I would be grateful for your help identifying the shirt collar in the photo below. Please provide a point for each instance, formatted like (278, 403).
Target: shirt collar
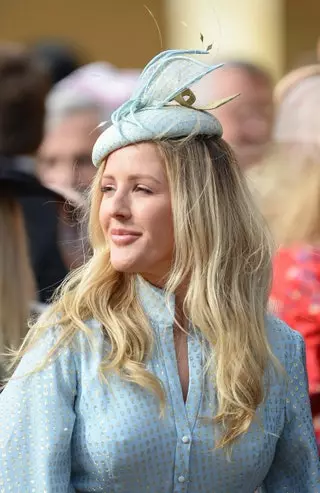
(158, 305)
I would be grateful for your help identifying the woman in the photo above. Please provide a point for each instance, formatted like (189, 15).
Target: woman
(16, 278)
(288, 184)
(157, 368)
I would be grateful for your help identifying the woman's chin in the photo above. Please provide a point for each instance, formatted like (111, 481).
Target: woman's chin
(126, 270)
(127, 265)
(126, 259)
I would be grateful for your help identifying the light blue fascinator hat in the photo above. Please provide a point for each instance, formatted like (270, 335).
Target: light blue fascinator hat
(162, 106)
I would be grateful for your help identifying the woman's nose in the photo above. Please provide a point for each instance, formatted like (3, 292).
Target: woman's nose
(120, 206)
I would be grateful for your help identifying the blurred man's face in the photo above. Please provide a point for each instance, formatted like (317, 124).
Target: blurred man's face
(65, 155)
(247, 121)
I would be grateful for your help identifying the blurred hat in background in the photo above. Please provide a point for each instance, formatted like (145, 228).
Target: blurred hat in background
(100, 83)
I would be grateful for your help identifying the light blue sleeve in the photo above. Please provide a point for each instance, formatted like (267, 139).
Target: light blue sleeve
(36, 422)
(295, 468)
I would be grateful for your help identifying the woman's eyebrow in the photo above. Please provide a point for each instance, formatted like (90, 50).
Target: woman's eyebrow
(134, 177)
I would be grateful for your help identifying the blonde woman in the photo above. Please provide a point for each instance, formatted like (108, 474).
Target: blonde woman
(157, 368)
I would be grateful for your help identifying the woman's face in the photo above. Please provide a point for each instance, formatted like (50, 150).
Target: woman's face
(135, 211)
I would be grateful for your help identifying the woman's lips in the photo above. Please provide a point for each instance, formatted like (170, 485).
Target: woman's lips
(121, 237)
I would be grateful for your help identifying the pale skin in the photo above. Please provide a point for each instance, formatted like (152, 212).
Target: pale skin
(136, 218)
(247, 121)
(64, 158)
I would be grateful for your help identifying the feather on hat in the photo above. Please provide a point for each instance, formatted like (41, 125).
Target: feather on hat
(162, 106)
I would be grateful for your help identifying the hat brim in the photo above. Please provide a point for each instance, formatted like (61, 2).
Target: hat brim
(168, 122)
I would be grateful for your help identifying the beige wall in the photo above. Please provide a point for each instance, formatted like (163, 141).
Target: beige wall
(122, 32)
(250, 30)
(302, 31)
(119, 31)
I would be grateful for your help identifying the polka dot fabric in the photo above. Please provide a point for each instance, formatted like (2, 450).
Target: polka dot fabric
(64, 431)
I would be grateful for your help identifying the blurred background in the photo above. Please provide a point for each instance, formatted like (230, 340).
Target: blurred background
(278, 34)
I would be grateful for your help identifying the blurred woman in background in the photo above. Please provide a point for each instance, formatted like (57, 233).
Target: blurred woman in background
(17, 283)
(288, 189)
(74, 109)
(17, 287)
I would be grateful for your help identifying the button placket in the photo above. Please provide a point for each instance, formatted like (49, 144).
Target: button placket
(182, 456)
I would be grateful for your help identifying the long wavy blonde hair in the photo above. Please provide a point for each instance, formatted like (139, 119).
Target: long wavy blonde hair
(223, 252)
(17, 286)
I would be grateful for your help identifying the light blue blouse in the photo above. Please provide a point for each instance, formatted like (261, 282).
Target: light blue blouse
(65, 431)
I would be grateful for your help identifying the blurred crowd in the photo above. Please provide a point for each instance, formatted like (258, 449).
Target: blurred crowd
(51, 106)
(51, 110)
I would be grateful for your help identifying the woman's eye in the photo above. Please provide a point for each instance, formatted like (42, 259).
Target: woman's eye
(107, 188)
(140, 188)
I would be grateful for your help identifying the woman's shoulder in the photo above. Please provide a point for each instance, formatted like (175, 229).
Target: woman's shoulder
(90, 332)
(65, 363)
(285, 342)
(55, 348)
(277, 329)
